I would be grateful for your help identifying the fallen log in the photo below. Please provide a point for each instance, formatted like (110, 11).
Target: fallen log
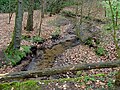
(54, 71)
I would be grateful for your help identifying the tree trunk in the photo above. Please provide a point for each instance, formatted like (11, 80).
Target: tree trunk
(29, 26)
(41, 15)
(53, 71)
(18, 25)
(40, 23)
(16, 39)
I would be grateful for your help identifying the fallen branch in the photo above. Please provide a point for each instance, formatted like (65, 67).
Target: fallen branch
(54, 71)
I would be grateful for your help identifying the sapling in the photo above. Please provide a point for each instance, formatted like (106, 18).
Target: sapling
(112, 7)
(79, 20)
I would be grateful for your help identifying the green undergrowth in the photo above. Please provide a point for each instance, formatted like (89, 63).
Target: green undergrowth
(37, 39)
(95, 43)
(14, 56)
(7, 6)
(38, 85)
(34, 39)
(56, 33)
(100, 51)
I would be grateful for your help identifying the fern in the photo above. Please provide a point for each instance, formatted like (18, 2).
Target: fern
(26, 49)
(36, 39)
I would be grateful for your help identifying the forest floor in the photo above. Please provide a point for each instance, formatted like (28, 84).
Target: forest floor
(73, 55)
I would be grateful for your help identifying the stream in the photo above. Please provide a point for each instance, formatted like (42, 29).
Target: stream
(49, 51)
(45, 57)
(51, 48)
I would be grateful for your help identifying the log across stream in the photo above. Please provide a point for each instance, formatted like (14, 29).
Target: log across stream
(55, 71)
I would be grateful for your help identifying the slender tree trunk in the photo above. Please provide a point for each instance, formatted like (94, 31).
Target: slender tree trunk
(42, 8)
(114, 26)
(41, 15)
(78, 21)
(10, 16)
(40, 24)
(10, 13)
(81, 12)
(29, 26)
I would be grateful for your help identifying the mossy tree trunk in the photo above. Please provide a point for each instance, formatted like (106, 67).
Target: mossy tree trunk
(18, 25)
(16, 39)
(29, 26)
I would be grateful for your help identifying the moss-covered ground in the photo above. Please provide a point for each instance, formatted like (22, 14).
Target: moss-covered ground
(87, 82)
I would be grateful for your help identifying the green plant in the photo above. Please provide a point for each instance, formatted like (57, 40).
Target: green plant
(25, 49)
(37, 39)
(26, 37)
(89, 42)
(15, 56)
(115, 5)
(92, 42)
(56, 33)
(100, 51)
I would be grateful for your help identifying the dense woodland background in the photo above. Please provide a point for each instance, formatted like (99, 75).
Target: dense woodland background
(59, 44)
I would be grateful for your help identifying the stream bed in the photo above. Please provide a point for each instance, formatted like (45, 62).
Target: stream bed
(48, 51)
(46, 57)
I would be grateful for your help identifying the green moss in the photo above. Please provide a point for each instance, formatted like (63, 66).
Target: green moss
(37, 85)
(28, 85)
